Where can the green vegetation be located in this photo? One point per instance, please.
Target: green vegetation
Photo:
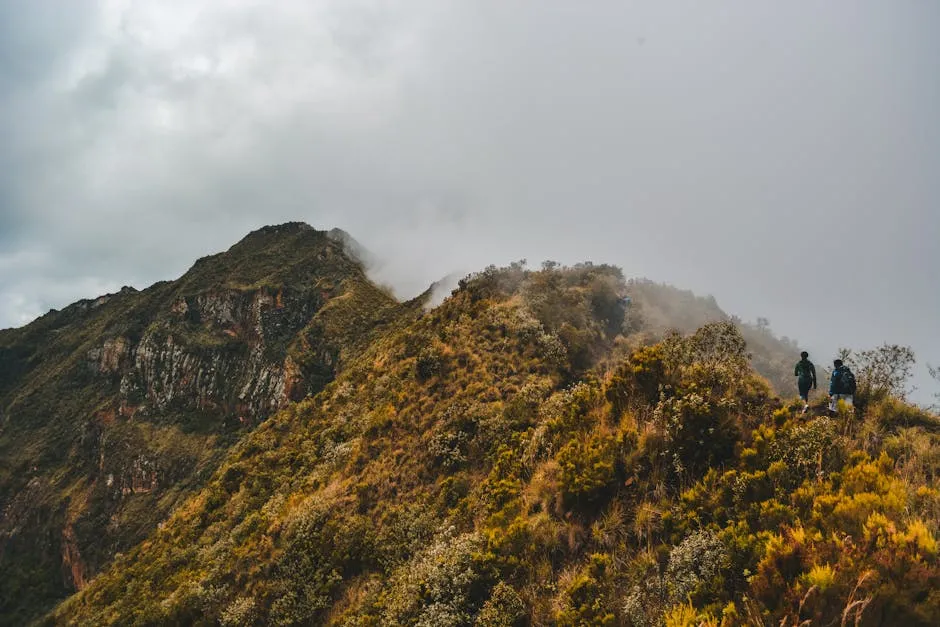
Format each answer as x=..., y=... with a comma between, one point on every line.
x=659, y=309
x=533, y=452
x=113, y=411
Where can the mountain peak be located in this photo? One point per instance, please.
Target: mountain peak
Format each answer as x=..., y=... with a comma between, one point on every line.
x=351, y=247
x=289, y=253
x=271, y=233
x=287, y=228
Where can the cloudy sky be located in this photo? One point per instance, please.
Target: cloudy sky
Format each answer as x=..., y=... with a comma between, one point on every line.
x=782, y=156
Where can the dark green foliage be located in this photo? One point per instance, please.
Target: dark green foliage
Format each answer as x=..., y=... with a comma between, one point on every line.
x=584, y=600
x=504, y=608
x=322, y=548
x=589, y=468
x=428, y=364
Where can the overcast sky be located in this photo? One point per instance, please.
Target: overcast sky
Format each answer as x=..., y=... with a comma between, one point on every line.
x=782, y=156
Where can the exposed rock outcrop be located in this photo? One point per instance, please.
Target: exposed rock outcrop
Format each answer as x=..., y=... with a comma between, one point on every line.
x=115, y=408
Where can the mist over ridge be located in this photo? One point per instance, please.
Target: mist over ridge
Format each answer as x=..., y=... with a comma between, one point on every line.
x=785, y=165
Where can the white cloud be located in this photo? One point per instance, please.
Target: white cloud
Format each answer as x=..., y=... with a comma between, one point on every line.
x=742, y=150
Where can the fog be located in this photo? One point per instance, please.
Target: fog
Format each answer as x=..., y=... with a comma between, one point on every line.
x=782, y=158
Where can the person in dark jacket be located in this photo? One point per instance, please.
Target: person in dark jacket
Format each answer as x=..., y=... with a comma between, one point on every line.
x=841, y=386
x=805, y=372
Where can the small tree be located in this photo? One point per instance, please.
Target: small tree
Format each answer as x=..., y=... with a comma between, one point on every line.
x=882, y=371
x=935, y=373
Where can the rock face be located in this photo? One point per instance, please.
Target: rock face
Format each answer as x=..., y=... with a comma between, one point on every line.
x=238, y=368
x=114, y=409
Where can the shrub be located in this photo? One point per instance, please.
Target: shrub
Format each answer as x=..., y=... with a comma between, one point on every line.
x=585, y=600
x=239, y=613
x=892, y=414
x=717, y=344
x=638, y=379
x=504, y=608
x=323, y=546
x=821, y=576
x=521, y=411
x=700, y=433
x=803, y=452
x=444, y=585
x=696, y=565
x=695, y=569
x=880, y=372
x=648, y=598
x=448, y=449
x=587, y=467
x=429, y=362
x=685, y=615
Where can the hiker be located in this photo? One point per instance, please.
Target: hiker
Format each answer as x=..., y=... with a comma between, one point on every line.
x=806, y=373
x=841, y=386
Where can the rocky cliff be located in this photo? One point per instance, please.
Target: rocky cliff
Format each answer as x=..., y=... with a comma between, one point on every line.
x=113, y=409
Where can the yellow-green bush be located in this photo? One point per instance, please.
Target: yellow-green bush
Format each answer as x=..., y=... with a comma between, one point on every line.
x=588, y=467
x=584, y=600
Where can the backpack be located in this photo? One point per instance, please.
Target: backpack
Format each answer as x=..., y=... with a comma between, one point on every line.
x=847, y=381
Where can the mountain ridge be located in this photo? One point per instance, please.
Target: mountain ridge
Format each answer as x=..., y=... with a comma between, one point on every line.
x=511, y=457
x=539, y=448
x=198, y=359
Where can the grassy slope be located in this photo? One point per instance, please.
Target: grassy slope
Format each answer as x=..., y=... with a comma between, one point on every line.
x=472, y=466
x=57, y=444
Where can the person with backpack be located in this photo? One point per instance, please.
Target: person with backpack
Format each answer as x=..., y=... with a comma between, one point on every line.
x=841, y=386
x=805, y=372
